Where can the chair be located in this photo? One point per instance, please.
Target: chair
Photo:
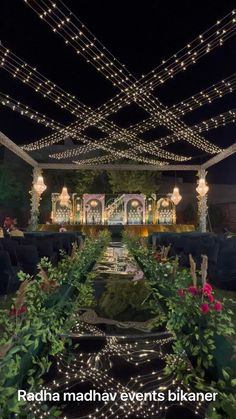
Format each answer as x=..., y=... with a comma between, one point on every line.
x=225, y=274
x=19, y=240
x=45, y=249
x=57, y=244
x=8, y=276
x=28, y=259
x=11, y=247
x=66, y=242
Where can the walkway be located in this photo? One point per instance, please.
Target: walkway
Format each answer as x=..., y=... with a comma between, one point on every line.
x=118, y=357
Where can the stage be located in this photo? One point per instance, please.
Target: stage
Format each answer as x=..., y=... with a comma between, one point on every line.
x=142, y=230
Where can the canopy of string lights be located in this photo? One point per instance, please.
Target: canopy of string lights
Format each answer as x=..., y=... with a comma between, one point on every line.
x=177, y=142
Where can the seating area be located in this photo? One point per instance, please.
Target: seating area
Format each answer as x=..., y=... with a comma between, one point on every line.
x=221, y=252
x=24, y=253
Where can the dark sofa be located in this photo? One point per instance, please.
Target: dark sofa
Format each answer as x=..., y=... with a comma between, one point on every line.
x=24, y=253
x=221, y=252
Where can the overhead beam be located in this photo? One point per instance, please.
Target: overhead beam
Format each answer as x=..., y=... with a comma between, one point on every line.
x=6, y=142
x=164, y=168
x=219, y=157
x=10, y=145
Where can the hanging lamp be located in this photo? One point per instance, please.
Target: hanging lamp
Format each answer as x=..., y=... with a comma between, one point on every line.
x=39, y=185
x=202, y=187
x=64, y=197
x=176, y=197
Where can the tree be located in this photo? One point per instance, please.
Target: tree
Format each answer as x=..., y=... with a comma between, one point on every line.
x=128, y=181
x=78, y=181
x=15, y=185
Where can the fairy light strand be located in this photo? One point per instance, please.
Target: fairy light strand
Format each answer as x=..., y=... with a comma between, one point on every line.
x=207, y=96
x=63, y=25
x=29, y=75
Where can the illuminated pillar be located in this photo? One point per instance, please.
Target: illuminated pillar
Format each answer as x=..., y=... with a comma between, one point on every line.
x=202, y=190
x=144, y=209
x=34, y=201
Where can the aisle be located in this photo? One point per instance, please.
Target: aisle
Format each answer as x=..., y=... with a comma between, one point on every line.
x=117, y=357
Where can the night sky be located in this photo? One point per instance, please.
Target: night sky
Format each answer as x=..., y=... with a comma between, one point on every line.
x=140, y=34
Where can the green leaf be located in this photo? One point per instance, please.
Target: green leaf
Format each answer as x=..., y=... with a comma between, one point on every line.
x=225, y=374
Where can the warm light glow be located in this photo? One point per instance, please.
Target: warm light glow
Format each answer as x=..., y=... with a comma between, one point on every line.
x=202, y=187
x=40, y=186
x=87, y=45
x=64, y=197
x=134, y=204
x=94, y=203
x=165, y=203
x=176, y=197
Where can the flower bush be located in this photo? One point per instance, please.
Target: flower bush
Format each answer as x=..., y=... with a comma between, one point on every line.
x=43, y=309
x=196, y=319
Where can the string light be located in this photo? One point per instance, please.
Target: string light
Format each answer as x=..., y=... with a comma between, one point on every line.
x=225, y=86
x=186, y=133
x=28, y=112
x=47, y=82
x=224, y=119
x=77, y=35
x=98, y=159
x=94, y=368
x=42, y=85
x=66, y=26
x=6, y=100
x=202, y=98
x=16, y=106
x=214, y=122
x=90, y=43
x=71, y=153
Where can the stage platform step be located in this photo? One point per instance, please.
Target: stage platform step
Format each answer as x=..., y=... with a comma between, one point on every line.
x=142, y=230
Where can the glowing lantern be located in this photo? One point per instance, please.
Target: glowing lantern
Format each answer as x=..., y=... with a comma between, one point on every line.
x=135, y=204
x=64, y=197
x=165, y=203
x=40, y=186
x=176, y=197
x=94, y=203
x=202, y=187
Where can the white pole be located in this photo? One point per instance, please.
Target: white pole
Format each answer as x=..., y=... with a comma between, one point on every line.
x=202, y=205
x=35, y=201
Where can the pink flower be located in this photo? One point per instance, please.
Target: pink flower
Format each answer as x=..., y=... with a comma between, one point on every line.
x=210, y=297
x=181, y=292
x=22, y=310
x=218, y=306
x=207, y=289
x=17, y=313
x=204, y=308
x=192, y=290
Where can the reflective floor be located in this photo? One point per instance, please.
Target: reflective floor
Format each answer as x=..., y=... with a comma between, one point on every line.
x=111, y=356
